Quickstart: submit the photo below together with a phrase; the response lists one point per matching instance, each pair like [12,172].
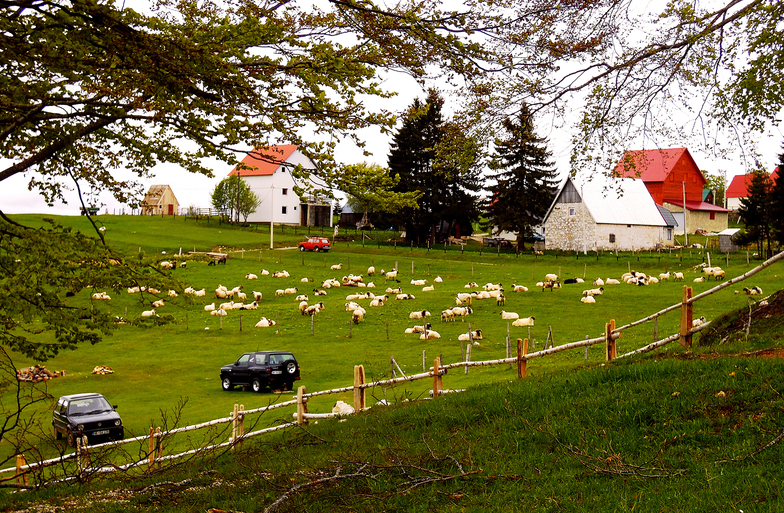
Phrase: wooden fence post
[20,477]
[522,363]
[686,317]
[240,424]
[468,356]
[151,446]
[608,337]
[159,444]
[302,406]
[438,384]
[234,418]
[81,454]
[359,392]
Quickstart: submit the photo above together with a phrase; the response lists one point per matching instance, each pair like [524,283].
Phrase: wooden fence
[154,457]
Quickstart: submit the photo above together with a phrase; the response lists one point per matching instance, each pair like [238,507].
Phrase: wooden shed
[160,200]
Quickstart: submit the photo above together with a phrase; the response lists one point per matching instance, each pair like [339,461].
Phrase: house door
[171,209]
[303,214]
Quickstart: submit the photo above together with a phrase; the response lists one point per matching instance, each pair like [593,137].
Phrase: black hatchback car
[260,370]
[86,414]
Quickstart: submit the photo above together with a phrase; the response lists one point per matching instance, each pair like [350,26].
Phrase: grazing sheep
[519,288]
[438,279]
[429,335]
[552,285]
[301,297]
[336,267]
[391,275]
[257,295]
[612,281]
[242,296]
[509,316]
[209,308]
[523,321]
[183,264]
[371,271]
[166,265]
[594,292]
[598,282]
[462,312]
[149,313]
[471,335]
[358,316]
[677,276]
[251,276]
[753,291]
[429,288]
[220,312]
[447,315]
[419,315]
[157,304]
[303,305]
[587,299]
[698,322]
[500,300]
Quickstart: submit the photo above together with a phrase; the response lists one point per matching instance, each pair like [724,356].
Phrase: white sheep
[429,288]
[149,313]
[418,283]
[594,292]
[524,321]
[250,306]
[587,299]
[152,290]
[189,290]
[509,316]
[598,282]
[301,297]
[371,271]
[429,335]
[699,280]
[698,322]
[220,312]
[242,296]
[652,280]
[438,279]
[103,296]
[314,309]
[391,275]
[357,316]
[419,315]
[336,267]
[157,304]
[551,277]
[209,308]
[257,295]
[251,276]
[319,292]
[519,288]
[397,290]
[447,315]
[416,329]
[351,306]
[172,293]
[226,306]
[377,302]
[753,291]
[677,276]
[664,276]
[290,290]
[280,292]
[303,305]
[471,335]
[462,311]
[265,323]
[612,281]
[404,297]
[264,272]
[371,285]
[471,285]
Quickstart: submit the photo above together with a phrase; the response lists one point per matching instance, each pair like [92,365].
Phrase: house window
[284,210]
[628,226]
[295,209]
[285,191]
[713,215]
[571,212]
[612,238]
[669,233]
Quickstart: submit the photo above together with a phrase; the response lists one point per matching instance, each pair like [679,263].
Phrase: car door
[59,418]
[240,371]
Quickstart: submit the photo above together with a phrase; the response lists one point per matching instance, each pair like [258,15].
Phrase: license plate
[277,372]
[104,432]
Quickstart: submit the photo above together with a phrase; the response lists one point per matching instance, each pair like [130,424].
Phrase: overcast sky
[194,190]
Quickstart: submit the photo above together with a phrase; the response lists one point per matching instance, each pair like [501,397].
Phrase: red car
[315,244]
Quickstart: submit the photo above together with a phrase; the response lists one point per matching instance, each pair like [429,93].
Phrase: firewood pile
[37,373]
[102,369]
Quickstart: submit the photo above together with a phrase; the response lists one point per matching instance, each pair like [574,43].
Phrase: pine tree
[526,179]
[755,212]
[777,202]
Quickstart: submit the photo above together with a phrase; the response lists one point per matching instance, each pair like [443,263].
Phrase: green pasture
[158,367]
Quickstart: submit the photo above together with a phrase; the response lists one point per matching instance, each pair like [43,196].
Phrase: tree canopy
[370,189]
[233,197]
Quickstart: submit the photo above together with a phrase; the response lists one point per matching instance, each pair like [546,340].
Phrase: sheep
[200,293]
[319,292]
[226,306]
[500,300]
[377,302]
[351,306]
[103,296]
[491,286]
[280,292]
[519,288]
[418,283]
[429,288]
[699,280]
[189,290]
[664,276]
[419,315]
[314,309]
[172,293]
[753,291]
[471,285]
[257,295]
[404,297]
[598,282]
[462,311]
[612,281]
[716,272]
[251,276]
[391,275]
[698,322]
[587,299]
[447,315]
[539,284]
[524,321]
[470,336]
[371,271]
[250,306]
[265,323]
[397,290]
[652,280]
[301,297]
[304,280]
[551,277]
[509,316]
[166,265]
[594,292]
[552,285]
[417,329]
[220,312]
[152,290]
[357,316]
[336,267]
[303,305]
[438,279]
[371,285]
[149,313]
[493,294]
[290,290]
[280,274]
[237,306]
[677,276]
[183,264]
[209,308]
[221,292]
[157,304]
[429,335]
[242,296]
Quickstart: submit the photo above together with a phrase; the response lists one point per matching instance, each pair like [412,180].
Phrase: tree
[369,188]
[755,212]
[777,202]
[525,178]
[434,159]
[233,197]
[718,184]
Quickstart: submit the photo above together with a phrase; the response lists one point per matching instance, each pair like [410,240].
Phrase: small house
[739,188]
[160,200]
[268,173]
[618,215]
[726,242]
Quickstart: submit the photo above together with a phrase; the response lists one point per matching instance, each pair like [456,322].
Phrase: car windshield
[89,406]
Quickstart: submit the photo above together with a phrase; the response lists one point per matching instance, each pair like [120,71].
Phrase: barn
[160,200]
[739,188]
[620,215]
[268,173]
[675,181]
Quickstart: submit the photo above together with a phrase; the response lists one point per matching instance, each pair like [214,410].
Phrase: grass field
[158,368]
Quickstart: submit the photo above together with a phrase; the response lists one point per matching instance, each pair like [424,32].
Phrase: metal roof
[622,201]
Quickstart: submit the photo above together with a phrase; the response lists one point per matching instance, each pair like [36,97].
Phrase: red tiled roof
[265,161]
[696,205]
[739,186]
[649,165]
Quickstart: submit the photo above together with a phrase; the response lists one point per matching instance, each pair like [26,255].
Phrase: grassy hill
[654,432]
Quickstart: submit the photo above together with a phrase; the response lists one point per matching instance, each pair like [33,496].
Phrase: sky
[195,190]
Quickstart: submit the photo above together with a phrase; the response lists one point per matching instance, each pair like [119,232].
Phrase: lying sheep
[336,267]
[314,309]
[418,283]
[149,313]
[157,304]
[397,290]
[319,292]
[438,279]
[429,335]
[612,281]
[470,336]
[291,290]
[519,288]
[172,293]
[598,282]
[377,302]
[417,329]
[509,316]
[265,272]
[404,297]
[419,315]
[471,285]
[524,321]
[250,306]
[429,288]
[351,306]
[587,299]
[301,297]
[699,280]
[209,308]
[303,305]
[251,276]
[220,312]
[753,291]
[265,323]
[103,296]
[698,322]
[594,292]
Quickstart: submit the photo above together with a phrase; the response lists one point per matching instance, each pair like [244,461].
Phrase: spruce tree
[755,212]
[777,202]
[525,180]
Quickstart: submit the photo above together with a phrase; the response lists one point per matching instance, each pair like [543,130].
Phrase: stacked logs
[37,373]
[102,369]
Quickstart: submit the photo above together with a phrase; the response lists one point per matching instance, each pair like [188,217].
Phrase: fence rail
[237,418]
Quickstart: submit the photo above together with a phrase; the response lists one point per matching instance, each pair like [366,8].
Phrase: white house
[267,171]
[621,215]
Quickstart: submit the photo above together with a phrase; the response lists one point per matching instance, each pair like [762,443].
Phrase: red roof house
[668,174]
[739,188]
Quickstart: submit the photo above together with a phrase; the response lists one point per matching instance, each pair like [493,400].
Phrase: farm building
[160,200]
[739,188]
[268,173]
[672,175]
[620,216]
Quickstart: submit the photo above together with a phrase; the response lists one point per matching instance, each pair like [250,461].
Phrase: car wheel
[58,435]
[227,384]
[288,385]
[316,249]
[302,248]
[256,385]
[291,367]
[71,439]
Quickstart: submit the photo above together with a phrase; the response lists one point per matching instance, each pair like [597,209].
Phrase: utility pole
[685,235]
[239,181]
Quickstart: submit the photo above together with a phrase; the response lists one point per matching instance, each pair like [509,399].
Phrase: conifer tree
[755,212]
[777,202]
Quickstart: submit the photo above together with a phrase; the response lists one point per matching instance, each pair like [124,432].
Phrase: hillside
[683,430]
